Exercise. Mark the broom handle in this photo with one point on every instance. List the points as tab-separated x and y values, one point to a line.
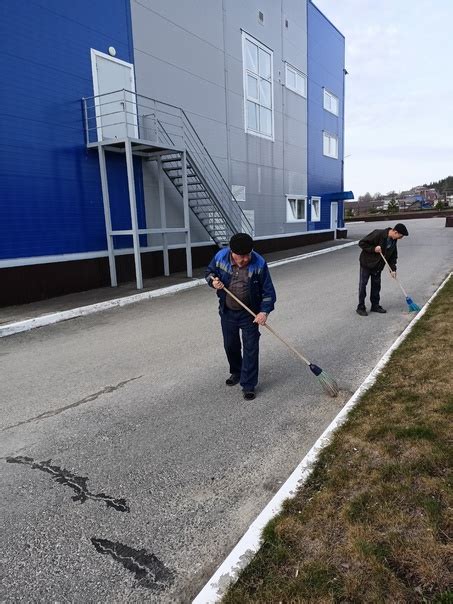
267	326
396	278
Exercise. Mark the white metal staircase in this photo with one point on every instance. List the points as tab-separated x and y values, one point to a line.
157	127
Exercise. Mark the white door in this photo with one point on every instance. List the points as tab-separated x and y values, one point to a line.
334	217
115	101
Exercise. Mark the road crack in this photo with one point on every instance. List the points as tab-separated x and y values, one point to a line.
87	399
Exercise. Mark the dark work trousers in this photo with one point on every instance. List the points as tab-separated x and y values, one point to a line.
365	274
245	363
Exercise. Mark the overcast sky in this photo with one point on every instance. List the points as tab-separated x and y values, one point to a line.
399	91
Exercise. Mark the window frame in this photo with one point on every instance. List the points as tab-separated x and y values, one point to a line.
297	72
330	95
246	72
289	213
312	199
330	136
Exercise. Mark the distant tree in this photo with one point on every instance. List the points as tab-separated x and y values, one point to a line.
367	197
393	206
443	185
377	196
440	205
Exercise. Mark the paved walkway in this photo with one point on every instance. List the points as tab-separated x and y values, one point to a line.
121	443
23	312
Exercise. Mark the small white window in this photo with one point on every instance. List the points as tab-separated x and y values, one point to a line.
331	102
296	208
315	209
296	80
258	87
330	145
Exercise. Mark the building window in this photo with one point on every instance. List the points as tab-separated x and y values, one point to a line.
296	208
316	209
258	87
330	145
295	80
331	102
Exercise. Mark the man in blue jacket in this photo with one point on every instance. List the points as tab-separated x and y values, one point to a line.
246	274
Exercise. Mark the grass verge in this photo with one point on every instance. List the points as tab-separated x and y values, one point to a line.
373	523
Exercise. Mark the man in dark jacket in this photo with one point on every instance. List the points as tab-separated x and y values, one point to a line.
371	263
246	274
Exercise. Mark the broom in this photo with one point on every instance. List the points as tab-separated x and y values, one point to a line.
413	307
327	382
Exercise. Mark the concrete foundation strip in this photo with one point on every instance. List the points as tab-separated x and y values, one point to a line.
19	326
248	546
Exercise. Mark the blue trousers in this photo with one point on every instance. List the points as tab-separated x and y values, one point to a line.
365	274
243	362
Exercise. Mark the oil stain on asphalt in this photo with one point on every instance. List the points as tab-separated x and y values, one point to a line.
76	483
149	571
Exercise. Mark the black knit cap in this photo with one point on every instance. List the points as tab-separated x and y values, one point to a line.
241	244
401	229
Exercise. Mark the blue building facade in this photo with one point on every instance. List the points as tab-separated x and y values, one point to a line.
51	202
52	223
326	98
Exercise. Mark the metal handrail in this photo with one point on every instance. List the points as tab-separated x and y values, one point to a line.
200	157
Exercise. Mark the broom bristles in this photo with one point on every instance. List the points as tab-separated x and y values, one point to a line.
327	382
413	307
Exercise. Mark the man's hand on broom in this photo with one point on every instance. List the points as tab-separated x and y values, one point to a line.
261	318
378	249
216	283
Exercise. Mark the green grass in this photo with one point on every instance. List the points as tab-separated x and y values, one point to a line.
373	521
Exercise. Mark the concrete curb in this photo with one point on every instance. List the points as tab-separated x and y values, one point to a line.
50	319
247	547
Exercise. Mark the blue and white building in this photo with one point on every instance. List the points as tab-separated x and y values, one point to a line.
138	135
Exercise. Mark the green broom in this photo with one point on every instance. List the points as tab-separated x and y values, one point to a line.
412	306
327	382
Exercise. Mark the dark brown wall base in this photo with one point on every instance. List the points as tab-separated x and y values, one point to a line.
24	284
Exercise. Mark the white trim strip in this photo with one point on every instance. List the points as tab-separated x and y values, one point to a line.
50	319
283	235
14	262
311	254
245	550
12	328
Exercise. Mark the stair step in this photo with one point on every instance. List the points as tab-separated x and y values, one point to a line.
175	178
179	170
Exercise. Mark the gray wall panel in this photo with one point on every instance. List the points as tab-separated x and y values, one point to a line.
190	54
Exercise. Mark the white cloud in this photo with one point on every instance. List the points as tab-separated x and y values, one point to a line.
399	91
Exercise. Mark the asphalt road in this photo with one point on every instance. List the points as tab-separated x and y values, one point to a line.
129	470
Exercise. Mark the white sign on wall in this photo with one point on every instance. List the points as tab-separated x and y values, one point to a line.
238	192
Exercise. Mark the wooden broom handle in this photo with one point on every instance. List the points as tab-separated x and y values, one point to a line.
388	266
265	325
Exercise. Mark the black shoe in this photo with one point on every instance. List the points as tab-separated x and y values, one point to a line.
233	380
361	310
249	395
378	309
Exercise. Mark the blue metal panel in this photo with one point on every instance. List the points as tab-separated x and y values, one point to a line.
325	70
50	193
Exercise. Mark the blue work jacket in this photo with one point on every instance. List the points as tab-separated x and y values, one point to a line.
261	289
